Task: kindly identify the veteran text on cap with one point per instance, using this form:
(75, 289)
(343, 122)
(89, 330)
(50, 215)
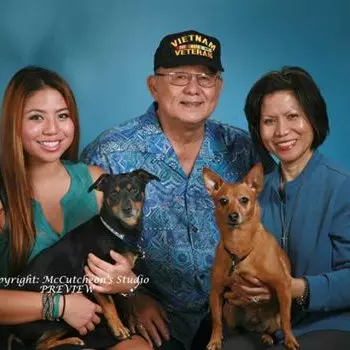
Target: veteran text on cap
(188, 48)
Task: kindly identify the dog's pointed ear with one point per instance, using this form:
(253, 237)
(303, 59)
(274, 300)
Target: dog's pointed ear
(255, 178)
(145, 175)
(100, 183)
(212, 181)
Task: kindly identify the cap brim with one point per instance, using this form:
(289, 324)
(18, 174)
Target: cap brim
(190, 61)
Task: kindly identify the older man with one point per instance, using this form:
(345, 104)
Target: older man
(174, 140)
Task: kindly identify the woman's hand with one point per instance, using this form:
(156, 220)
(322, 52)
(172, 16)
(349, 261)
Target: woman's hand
(247, 290)
(110, 278)
(81, 313)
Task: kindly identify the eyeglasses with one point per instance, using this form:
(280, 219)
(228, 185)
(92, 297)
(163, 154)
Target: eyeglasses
(184, 78)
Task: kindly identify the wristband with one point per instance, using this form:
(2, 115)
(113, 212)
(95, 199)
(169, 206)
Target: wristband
(64, 306)
(303, 300)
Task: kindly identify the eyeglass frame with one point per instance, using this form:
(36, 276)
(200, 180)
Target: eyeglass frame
(190, 76)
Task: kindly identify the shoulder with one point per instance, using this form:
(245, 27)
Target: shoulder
(331, 173)
(83, 173)
(116, 139)
(229, 134)
(83, 176)
(95, 172)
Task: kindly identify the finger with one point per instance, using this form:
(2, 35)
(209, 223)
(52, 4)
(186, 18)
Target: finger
(234, 298)
(82, 331)
(161, 327)
(98, 308)
(238, 302)
(90, 326)
(96, 319)
(153, 333)
(100, 288)
(163, 313)
(230, 296)
(89, 274)
(99, 263)
(142, 330)
(264, 297)
(254, 291)
(94, 280)
(118, 258)
(97, 269)
(253, 280)
(132, 326)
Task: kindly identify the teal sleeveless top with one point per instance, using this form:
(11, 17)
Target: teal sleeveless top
(78, 205)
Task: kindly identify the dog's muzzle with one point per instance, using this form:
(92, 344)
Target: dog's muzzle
(233, 219)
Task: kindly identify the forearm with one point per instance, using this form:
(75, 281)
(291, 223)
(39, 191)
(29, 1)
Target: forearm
(328, 291)
(298, 287)
(19, 307)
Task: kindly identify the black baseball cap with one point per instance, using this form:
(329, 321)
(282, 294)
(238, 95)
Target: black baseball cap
(188, 48)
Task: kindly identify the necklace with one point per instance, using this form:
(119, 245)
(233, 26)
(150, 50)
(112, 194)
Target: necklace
(286, 224)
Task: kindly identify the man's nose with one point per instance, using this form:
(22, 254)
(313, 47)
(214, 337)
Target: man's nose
(192, 87)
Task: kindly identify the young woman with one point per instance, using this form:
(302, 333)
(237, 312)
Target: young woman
(46, 194)
(306, 205)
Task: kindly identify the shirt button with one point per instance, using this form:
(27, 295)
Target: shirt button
(194, 229)
(202, 276)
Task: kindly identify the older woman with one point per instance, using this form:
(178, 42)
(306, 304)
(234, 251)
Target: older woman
(306, 205)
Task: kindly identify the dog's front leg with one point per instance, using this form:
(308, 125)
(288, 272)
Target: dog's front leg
(110, 312)
(284, 294)
(216, 302)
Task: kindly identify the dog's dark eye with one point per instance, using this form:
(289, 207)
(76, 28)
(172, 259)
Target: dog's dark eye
(114, 195)
(244, 200)
(223, 201)
(134, 191)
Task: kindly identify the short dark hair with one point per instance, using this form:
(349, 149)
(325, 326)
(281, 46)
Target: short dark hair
(301, 84)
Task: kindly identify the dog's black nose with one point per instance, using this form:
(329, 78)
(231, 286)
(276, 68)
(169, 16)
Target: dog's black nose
(127, 207)
(233, 217)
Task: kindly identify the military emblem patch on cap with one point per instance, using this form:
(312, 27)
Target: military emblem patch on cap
(188, 48)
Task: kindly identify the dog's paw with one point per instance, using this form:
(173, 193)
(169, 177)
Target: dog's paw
(122, 333)
(267, 339)
(214, 345)
(291, 343)
(75, 341)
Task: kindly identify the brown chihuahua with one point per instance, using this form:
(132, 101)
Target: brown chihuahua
(247, 249)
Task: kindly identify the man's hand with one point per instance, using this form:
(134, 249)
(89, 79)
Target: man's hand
(151, 319)
(110, 278)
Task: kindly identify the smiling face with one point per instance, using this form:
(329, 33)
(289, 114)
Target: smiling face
(185, 105)
(47, 128)
(285, 129)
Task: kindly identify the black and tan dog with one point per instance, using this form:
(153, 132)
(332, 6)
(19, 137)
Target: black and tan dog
(117, 228)
(247, 249)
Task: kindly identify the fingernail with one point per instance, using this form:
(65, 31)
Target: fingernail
(159, 344)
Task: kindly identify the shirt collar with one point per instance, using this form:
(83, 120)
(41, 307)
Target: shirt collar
(309, 168)
(160, 141)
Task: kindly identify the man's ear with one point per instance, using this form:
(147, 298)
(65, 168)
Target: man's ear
(255, 178)
(212, 181)
(100, 184)
(152, 87)
(221, 83)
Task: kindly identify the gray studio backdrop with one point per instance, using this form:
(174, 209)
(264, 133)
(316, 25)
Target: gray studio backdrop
(104, 48)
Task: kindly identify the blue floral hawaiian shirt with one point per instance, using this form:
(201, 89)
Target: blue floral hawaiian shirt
(179, 229)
